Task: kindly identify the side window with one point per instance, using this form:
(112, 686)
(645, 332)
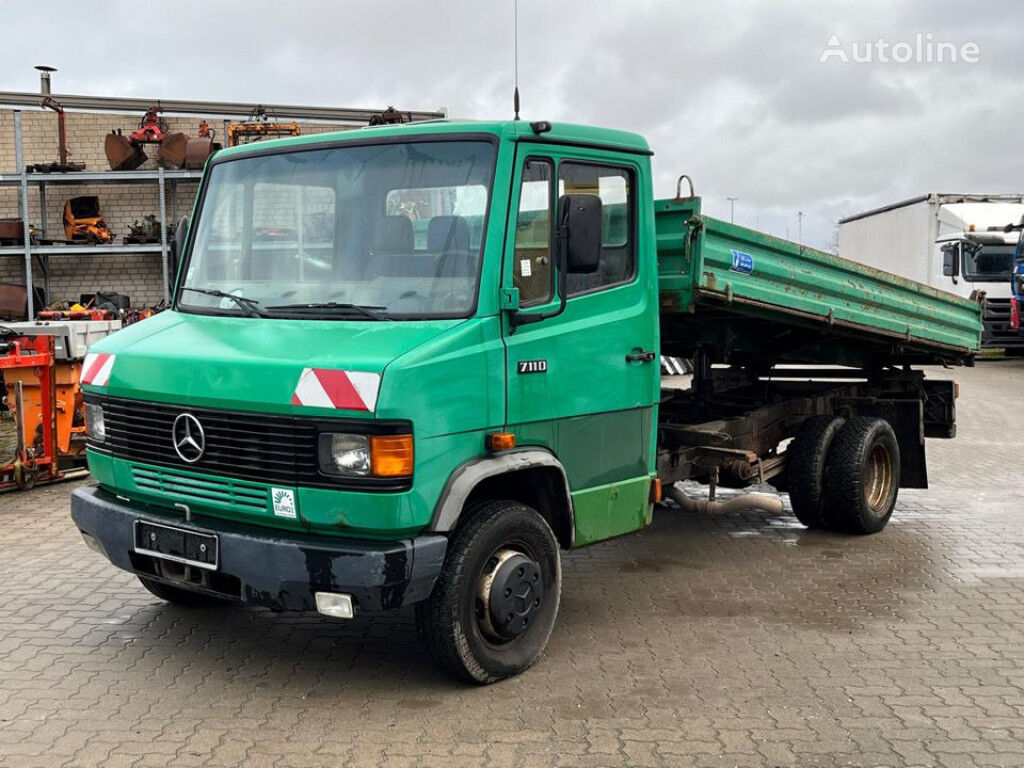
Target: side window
(615, 188)
(423, 205)
(532, 256)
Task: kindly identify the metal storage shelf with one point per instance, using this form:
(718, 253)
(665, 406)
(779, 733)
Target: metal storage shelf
(99, 177)
(71, 250)
(23, 180)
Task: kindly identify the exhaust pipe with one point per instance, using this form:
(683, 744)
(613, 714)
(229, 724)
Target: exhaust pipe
(769, 504)
(44, 78)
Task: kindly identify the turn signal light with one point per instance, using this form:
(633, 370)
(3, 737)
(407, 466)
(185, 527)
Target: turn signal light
(391, 455)
(656, 490)
(500, 441)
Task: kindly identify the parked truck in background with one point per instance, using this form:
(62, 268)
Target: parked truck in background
(961, 243)
(410, 364)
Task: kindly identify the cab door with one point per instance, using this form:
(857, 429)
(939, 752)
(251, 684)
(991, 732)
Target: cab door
(585, 382)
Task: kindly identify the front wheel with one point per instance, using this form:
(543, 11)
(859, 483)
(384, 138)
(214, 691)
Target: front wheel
(495, 602)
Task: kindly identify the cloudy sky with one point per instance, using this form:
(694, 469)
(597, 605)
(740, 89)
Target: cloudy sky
(733, 93)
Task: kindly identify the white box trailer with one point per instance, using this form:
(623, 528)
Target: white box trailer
(961, 243)
(71, 337)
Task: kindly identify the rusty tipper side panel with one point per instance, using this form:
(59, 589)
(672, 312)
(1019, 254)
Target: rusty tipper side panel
(737, 272)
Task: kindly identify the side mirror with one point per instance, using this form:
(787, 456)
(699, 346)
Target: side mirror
(579, 250)
(951, 259)
(579, 218)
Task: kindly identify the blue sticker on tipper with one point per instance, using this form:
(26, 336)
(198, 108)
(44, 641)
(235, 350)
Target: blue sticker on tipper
(742, 262)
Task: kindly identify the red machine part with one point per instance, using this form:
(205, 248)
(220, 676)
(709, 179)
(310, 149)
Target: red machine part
(151, 128)
(76, 314)
(1015, 314)
(62, 131)
(27, 361)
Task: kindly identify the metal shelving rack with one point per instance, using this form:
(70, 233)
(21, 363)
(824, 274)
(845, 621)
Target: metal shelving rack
(23, 180)
(224, 110)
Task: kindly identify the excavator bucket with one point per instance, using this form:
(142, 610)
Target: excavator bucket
(121, 153)
(198, 151)
(172, 149)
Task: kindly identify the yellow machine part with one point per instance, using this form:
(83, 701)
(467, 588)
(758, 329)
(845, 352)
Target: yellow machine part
(239, 131)
(92, 228)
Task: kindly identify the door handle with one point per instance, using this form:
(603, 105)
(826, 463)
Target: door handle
(640, 357)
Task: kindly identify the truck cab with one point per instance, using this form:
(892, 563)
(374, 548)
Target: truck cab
(959, 243)
(975, 249)
(352, 360)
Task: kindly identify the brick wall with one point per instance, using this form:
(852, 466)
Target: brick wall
(137, 275)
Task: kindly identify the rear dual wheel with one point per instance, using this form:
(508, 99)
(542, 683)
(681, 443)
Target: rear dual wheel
(862, 476)
(805, 468)
(843, 475)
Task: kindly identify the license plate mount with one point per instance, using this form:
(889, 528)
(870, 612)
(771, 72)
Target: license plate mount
(179, 545)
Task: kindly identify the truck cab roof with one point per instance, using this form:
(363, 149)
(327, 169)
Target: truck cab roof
(944, 199)
(511, 130)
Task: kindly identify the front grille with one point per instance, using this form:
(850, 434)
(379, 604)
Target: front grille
(997, 310)
(249, 446)
(229, 493)
(266, 448)
(998, 333)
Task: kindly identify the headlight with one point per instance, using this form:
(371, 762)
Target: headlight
(344, 454)
(96, 430)
(349, 455)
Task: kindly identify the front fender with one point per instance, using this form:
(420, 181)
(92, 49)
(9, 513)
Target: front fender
(468, 476)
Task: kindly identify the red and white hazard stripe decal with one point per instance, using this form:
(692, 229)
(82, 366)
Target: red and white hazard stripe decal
(96, 369)
(328, 388)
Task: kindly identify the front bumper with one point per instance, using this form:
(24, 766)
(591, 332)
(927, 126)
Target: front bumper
(262, 567)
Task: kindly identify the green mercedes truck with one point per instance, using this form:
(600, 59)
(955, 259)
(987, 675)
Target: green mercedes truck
(411, 364)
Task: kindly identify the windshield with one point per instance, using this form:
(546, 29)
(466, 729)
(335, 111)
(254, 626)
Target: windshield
(990, 262)
(386, 231)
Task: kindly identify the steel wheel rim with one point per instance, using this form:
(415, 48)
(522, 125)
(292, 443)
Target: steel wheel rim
(878, 477)
(482, 608)
(484, 629)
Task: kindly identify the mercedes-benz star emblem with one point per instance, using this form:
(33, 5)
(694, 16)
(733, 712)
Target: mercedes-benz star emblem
(188, 438)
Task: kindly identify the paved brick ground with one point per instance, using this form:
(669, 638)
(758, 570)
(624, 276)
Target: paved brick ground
(702, 641)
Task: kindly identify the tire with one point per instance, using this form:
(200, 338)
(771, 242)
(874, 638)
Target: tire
(178, 596)
(862, 476)
(805, 469)
(455, 621)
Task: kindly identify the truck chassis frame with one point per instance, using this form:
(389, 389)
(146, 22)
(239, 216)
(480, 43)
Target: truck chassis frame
(730, 427)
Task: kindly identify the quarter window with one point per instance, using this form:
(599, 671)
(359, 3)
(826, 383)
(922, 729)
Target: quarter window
(532, 256)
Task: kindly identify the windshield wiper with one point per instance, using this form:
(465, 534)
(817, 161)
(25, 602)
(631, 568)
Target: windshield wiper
(249, 306)
(365, 310)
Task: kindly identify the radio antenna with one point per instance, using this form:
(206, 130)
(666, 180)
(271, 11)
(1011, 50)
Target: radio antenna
(515, 56)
